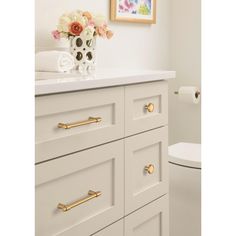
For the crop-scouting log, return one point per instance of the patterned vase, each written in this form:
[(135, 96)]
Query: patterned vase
[(84, 52)]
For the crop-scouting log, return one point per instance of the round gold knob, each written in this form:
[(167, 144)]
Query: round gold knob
[(149, 107), (149, 169)]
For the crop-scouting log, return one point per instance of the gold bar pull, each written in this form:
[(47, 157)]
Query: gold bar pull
[(90, 120), (91, 195)]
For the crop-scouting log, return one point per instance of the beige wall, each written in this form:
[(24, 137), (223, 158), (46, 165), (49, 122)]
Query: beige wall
[(133, 46), (185, 120)]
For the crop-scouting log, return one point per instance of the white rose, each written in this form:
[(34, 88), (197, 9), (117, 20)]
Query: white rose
[(64, 23), (65, 20), (82, 20), (99, 20), (73, 16), (78, 17), (63, 28), (88, 32)]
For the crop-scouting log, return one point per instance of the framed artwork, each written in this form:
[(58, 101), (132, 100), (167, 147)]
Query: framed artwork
[(140, 11)]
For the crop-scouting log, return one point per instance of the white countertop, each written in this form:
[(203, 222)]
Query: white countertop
[(49, 83)]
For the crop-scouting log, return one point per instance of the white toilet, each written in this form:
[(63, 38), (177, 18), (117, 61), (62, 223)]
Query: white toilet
[(185, 189)]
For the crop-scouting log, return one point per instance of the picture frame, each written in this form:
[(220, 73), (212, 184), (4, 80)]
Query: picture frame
[(136, 11)]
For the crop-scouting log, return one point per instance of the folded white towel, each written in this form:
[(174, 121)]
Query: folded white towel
[(54, 61)]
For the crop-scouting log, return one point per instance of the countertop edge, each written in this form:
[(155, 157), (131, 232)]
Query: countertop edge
[(88, 84)]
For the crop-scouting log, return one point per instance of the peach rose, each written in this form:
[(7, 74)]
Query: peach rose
[(87, 15), (101, 31), (109, 34), (76, 28)]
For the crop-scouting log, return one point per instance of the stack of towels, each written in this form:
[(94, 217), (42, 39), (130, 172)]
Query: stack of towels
[(54, 61)]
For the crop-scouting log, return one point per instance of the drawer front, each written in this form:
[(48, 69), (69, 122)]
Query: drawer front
[(77, 107), (68, 180), (151, 220), (146, 168), (146, 106), (116, 229)]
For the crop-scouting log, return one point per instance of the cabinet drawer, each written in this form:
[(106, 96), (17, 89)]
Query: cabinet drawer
[(77, 108), (151, 220), (68, 179), (146, 168), (116, 229), (146, 106)]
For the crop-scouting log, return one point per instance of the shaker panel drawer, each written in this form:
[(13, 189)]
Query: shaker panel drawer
[(146, 107), (146, 168), (116, 229), (65, 204), (70, 122), (151, 220)]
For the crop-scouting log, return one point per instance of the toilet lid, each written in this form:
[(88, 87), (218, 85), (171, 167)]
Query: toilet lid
[(186, 154)]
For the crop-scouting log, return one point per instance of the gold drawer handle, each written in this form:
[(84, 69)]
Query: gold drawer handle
[(149, 107), (149, 169), (91, 195), (90, 120)]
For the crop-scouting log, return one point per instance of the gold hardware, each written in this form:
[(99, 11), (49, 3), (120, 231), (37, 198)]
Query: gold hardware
[(149, 169), (90, 120), (149, 107), (91, 195)]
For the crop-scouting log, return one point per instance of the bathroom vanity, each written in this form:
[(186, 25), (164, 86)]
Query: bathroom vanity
[(101, 154)]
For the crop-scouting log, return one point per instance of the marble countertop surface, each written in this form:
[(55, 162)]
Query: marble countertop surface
[(50, 83)]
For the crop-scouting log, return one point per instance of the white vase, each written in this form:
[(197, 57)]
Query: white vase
[(84, 52)]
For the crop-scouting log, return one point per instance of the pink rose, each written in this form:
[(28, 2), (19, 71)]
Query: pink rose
[(76, 28), (56, 34), (91, 23)]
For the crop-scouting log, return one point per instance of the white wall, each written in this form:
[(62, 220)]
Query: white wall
[(173, 43), (185, 120), (133, 46)]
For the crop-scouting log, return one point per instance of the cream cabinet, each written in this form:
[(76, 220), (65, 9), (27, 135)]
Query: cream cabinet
[(97, 173), (116, 229), (69, 122), (145, 107), (151, 220), (146, 176), (101, 162)]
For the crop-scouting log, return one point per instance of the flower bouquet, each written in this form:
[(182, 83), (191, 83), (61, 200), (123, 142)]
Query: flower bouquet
[(82, 28)]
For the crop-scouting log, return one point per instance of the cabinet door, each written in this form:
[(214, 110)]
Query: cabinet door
[(146, 106), (64, 204), (116, 229), (146, 168), (151, 220)]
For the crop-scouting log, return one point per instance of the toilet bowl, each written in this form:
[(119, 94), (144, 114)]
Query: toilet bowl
[(185, 189)]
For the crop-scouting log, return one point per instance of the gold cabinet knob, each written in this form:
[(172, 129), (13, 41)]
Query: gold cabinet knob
[(149, 107), (149, 169)]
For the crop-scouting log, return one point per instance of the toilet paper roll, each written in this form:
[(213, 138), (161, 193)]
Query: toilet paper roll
[(189, 95)]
